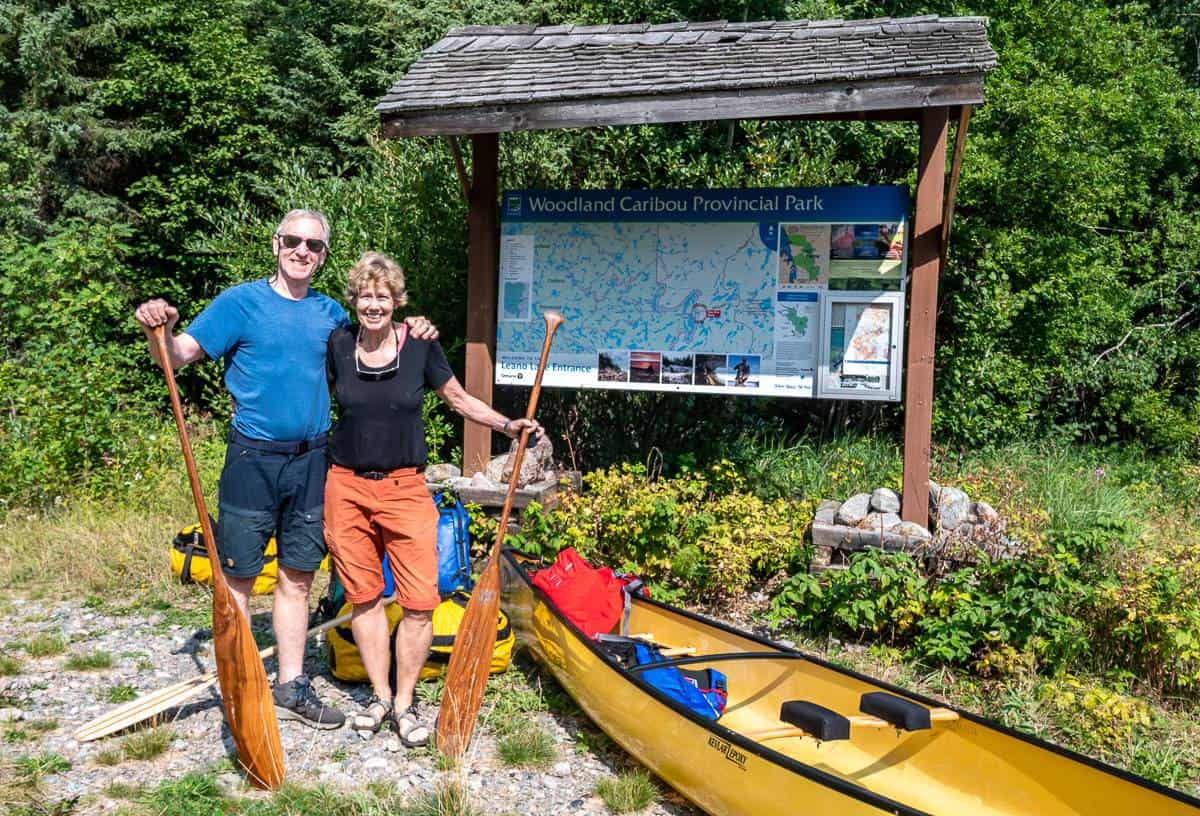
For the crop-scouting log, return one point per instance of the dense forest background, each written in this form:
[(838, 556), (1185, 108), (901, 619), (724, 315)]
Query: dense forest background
[(147, 148)]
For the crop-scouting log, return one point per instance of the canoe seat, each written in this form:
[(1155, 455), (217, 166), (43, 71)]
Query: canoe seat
[(895, 710), (815, 720)]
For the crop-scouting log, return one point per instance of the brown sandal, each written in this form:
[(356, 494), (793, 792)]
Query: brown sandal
[(373, 716), (408, 727)]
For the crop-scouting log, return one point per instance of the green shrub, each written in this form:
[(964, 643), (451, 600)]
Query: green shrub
[(110, 757), (33, 769), (1147, 615), (448, 797), (1104, 719), (880, 593), (996, 617), (121, 693), (193, 794), (697, 532)]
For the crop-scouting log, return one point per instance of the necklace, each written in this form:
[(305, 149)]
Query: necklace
[(376, 375)]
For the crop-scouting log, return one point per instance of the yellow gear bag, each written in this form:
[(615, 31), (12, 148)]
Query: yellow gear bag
[(189, 561), (345, 662)]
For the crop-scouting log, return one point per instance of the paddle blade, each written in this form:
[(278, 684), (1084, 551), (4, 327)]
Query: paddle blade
[(143, 708), (470, 664), (246, 693)]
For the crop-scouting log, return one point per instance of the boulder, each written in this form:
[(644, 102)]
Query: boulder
[(827, 512), (441, 472), (854, 509), (952, 509), (912, 530), (935, 493), (537, 460), (483, 480), (885, 500), (880, 522), (495, 469), (984, 513)]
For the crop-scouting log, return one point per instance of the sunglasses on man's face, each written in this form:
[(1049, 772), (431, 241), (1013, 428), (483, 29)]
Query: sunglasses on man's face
[(315, 245)]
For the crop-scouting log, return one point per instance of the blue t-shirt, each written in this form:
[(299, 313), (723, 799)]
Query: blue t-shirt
[(274, 351)]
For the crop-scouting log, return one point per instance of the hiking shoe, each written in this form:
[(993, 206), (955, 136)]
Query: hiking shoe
[(296, 700)]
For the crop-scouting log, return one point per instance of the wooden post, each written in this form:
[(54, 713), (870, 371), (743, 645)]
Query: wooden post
[(482, 265), (922, 312)]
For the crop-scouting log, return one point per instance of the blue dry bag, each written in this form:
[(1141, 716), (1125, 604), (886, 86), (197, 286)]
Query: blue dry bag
[(703, 692), (389, 582), (453, 544)]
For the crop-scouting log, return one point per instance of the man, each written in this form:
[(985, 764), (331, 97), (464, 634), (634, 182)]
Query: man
[(741, 372), (272, 335)]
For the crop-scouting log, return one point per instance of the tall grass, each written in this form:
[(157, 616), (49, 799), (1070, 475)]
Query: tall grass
[(112, 547), (778, 466), (1065, 486), (1047, 484)]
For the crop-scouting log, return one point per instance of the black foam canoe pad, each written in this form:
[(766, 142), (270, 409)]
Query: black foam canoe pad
[(895, 710), (815, 720)]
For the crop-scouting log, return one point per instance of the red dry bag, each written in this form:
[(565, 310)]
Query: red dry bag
[(592, 599)]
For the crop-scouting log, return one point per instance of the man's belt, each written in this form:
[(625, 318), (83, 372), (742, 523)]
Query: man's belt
[(273, 446)]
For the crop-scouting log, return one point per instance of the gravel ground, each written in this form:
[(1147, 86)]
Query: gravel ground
[(155, 650)]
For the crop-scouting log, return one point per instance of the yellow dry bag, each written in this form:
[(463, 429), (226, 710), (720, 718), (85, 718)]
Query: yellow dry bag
[(189, 561), (345, 662)]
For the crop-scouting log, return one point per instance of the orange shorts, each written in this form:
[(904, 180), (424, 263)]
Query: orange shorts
[(365, 518)]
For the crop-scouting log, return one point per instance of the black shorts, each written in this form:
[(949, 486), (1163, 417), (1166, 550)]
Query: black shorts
[(264, 493)]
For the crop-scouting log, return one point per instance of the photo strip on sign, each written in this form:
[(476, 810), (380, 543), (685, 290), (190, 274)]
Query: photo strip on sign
[(705, 291)]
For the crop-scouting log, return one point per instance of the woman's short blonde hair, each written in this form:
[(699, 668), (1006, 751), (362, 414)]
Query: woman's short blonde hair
[(376, 268)]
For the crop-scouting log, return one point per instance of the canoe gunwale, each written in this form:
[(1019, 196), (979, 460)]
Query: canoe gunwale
[(842, 786), (717, 657), (783, 652)]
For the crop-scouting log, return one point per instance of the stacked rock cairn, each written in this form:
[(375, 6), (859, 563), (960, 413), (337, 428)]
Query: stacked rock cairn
[(962, 531), (537, 467)]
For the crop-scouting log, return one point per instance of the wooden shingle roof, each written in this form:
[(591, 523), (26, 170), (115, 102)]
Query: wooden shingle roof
[(487, 79)]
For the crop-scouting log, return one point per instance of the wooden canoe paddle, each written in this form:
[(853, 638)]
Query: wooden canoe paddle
[(470, 662), (245, 691)]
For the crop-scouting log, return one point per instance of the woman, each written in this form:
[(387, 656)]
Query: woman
[(375, 495)]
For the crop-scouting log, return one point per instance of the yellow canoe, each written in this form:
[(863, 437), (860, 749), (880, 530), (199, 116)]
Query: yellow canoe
[(893, 752)]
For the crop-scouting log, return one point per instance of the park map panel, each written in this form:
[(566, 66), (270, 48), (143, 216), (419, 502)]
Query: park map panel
[(709, 291)]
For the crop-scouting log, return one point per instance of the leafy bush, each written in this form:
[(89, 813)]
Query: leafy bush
[(1103, 719), (698, 533), (1147, 615), (996, 617)]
